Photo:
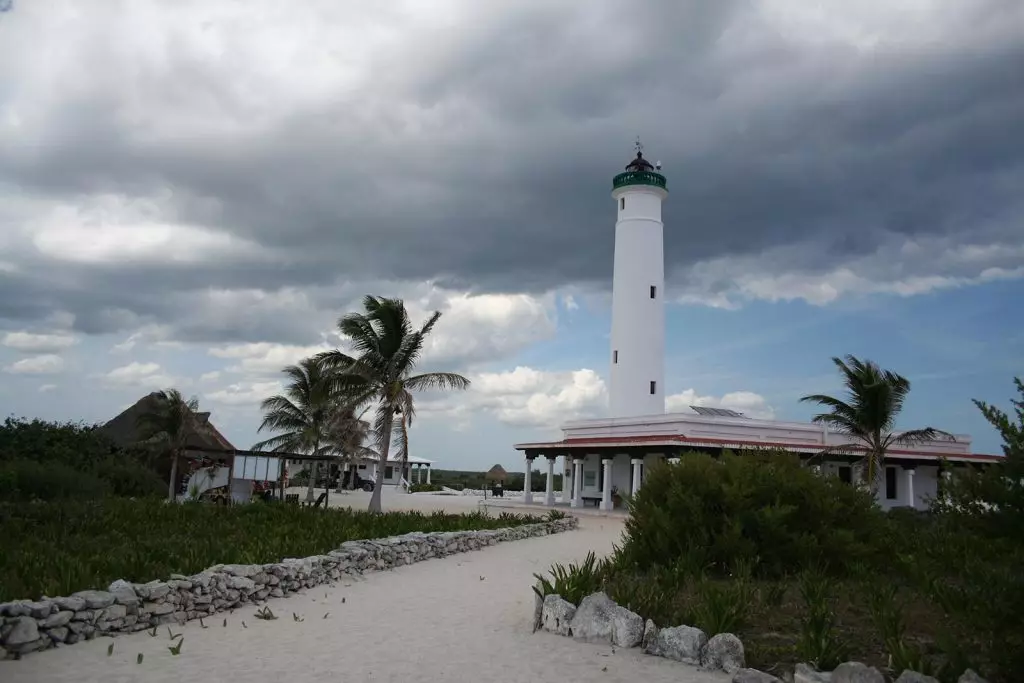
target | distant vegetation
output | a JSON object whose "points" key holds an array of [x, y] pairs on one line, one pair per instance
{"points": [[42, 460]]}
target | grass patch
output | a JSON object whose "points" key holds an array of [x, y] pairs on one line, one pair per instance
{"points": [[56, 548]]}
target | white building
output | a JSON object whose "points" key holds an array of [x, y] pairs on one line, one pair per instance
{"points": [[607, 456], [417, 470]]}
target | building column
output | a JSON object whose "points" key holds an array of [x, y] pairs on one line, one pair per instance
{"points": [[568, 472], [909, 471], [527, 490], [577, 483], [419, 474], [635, 463], [549, 485], [606, 490], [428, 474]]}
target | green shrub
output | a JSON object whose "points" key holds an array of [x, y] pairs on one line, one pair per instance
{"points": [[57, 548], [424, 488], [761, 509], [26, 480], [820, 642], [721, 607], [575, 581]]}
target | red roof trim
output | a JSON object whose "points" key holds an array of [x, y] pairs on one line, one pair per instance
{"points": [[669, 439]]}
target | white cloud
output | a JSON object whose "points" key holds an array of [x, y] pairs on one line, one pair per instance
{"points": [[746, 402], [38, 343], [109, 229], [727, 282], [210, 376], [244, 393], [263, 358], [528, 397], [484, 327], [43, 388], [148, 375], [45, 364]]}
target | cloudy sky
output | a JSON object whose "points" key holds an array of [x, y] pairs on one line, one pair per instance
{"points": [[192, 192]]}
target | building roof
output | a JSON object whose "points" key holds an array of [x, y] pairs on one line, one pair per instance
{"points": [[123, 430], [676, 441], [496, 473]]}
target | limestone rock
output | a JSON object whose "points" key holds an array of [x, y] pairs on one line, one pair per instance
{"points": [[18, 608], [70, 604], [856, 672], [154, 590], [970, 676], [124, 593], [650, 637], [805, 673], [41, 609], [95, 599], [599, 620], [753, 676], [58, 634], [115, 612], [681, 643], [723, 651], [23, 635], [56, 620], [557, 615], [915, 677]]}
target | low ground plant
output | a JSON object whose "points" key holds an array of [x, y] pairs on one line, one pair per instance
{"points": [[56, 548]]}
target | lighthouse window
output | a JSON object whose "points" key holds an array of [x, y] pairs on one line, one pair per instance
{"points": [[654, 388], [654, 291], [622, 203], [615, 356]]}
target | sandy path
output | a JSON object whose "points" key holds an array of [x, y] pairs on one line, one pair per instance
{"points": [[432, 621]]}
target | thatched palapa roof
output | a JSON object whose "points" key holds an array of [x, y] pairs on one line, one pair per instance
{"points": [[124, 430], [496, 473]]}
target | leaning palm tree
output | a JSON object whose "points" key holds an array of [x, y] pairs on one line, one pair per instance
{"points": [[868, 414], [381, 375], [302, 414], [167, 422]]}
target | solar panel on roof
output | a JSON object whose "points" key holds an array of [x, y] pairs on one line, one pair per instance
{"points": [[716, 412]]}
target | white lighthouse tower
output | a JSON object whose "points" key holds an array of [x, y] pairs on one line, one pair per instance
{"points": [[638, 314]]}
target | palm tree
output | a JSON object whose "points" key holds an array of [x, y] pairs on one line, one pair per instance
{"points": [[401, 443], [302, 414], [347, 431], [169, 420], [381, 376], [868, 415]]}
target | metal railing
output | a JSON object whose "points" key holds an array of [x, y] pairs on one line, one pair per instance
{"points": [[639, 178]]}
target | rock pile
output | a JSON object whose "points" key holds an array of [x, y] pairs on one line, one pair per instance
{"points": [[27, 626], [599, 619]]}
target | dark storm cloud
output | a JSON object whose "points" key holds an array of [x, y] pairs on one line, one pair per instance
{"points": [[485, 162]]}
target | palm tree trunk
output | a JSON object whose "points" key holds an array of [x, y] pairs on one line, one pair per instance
{"points": [[312, 481], [172, 485], [378, 484]]}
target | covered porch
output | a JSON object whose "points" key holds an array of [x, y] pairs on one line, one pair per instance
{"points": [[594, 476]]}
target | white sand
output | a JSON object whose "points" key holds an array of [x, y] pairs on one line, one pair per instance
{"points": [[432, 621]]}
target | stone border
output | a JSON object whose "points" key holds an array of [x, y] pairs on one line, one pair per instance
{"points": [[598, 619], [125, 607]]}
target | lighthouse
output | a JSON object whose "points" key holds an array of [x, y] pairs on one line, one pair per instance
{"points": [[638, 313]]}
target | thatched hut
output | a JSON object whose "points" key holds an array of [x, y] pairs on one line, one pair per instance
{"points": [[496, 474]]}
